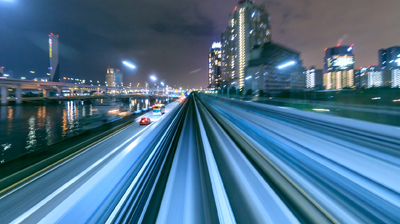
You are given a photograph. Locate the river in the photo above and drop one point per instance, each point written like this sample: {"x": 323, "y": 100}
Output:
{"x": 29, "y": 127}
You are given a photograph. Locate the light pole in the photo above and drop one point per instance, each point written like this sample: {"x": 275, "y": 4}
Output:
{"x": 153, "y": 78}
{"x": 162, "y": 83}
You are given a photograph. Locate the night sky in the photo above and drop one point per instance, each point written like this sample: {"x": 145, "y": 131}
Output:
{"x": 171, "y": 38}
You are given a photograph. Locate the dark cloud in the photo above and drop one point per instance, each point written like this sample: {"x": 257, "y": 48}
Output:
{"x": 172, "y": 38}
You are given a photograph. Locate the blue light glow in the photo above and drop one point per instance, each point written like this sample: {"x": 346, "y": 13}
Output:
{"x": 128, "y": 64}
{"x": 286, "y": 65}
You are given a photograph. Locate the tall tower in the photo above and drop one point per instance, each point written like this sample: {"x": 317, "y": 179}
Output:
{"x": 110, "y": 77}
{"x": 248, "y": 27}
{"x": 53, "y": 54}
{"x": 118, "y": 78}
{"x": 214, "y": 66}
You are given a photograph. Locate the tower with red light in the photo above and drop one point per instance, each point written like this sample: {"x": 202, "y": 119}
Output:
{"x": 54, "y": 68}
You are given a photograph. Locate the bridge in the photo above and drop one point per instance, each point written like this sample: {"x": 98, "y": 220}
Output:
{"x": 71, "y": 90}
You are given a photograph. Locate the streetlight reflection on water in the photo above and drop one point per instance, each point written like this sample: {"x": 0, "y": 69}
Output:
{"x": 29, "y": 127}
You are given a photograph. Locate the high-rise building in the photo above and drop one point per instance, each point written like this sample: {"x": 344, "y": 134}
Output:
{"x": 389, "y": 62}
{"x": 119, "y": 82}
{"x": 274, "y": 68}
{"x": 1, "y": 71}
{"x": 214, "y": 66}
{"x": 369, "y": 77}
{"x": 313, "y": 78}
{"x": 339, "y": 67}
{"x": 53, "y": 55}
{"x": 110, "y": 77}
{"x": 248, "y": 27}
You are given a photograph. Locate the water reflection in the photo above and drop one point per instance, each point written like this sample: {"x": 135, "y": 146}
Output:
{"x": 10, "y": 113}
{"x": 64, "y": 123}
{"x": 31, "y": 140}
{"x": 48, "y": 131}
{"x": 42, "y": 125}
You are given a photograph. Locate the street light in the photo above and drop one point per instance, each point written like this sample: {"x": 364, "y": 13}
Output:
{"x": 129, "y": 64}
{"x": 152, "y": 77}
{"x": 286, "y": 64}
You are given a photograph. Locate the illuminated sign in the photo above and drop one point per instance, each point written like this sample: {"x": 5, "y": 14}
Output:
{"x": 216, "y": 45}
{"x": 343, "y": 61}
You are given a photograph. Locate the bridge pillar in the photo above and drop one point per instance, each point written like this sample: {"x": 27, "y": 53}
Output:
{"x": 18, "y": 94}
{"x": 4, "y": 95}
{"x": 59, "y": 91}
{"x": 46, "y": 93}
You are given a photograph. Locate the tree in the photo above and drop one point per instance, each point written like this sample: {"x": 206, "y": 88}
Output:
{"x": 249, "y": 92}
{"x": 232, "y": 91}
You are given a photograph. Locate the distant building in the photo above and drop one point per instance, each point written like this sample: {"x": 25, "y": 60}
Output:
{"x": 274, "y": 68}
{"x": 339, "y": 67}
{"x": 314, "y": 78}
{"x": 214, "y": 66}
{"x": 118, "y": 78}
{"x": 73, "y": 80}
{"x": 53, "y": 55}
{"x": 369, "y": 77}
{"x": 110, "y": 77}
{"x": 248, "y": 27}
{"x": 9, "y": 74}
{"x": 389, "y": 62}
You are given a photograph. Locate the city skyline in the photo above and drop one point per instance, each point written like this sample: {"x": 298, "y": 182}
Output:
{"x": 89, "y": 42}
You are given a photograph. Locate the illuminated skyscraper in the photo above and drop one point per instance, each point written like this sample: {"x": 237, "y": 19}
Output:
{"x": 110, "y": 77}
{"x": 118, "y": 78}
{"x": 313, "y": 78}
{"x": 53, "y": 54}
{"x": 248, "y": 27}
{"x": 369, "y": 77}
{"x": 339, "y": 67}
{"x": 389, "y": 62}
{"x": 214, "y": 66}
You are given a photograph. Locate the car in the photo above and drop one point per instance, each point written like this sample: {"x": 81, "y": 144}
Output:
{"x": 144, "y": 121}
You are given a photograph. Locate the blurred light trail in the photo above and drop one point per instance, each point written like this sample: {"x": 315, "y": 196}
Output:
{"x": 195, "y": 71}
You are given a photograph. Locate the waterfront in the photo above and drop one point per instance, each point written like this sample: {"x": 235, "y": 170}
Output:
{"x": 29, "y": 127}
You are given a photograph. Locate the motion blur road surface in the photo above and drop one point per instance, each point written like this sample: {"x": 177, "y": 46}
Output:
{"x": 215, "y": 160}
